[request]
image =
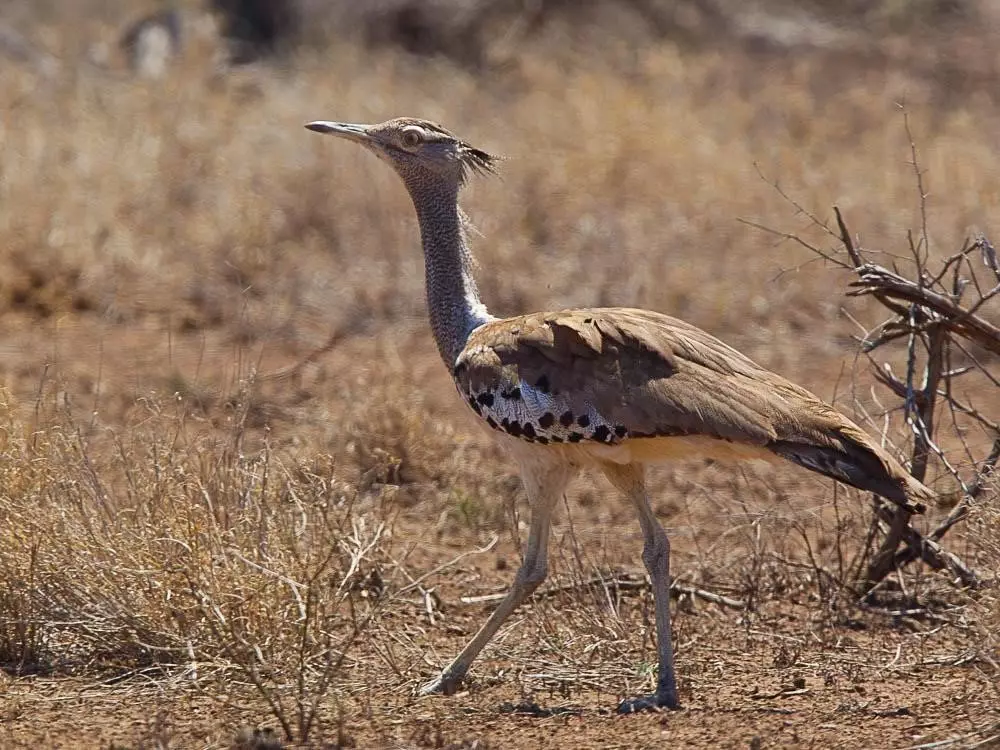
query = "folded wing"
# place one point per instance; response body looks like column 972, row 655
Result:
column 616, row 374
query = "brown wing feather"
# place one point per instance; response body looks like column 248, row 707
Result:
column 658, row 376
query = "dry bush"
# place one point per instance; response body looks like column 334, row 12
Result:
column 175, row 553
column 934, row 362
column 205, row 558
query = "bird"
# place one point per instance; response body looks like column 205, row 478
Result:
column 617, row 389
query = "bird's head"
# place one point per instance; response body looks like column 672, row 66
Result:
column 417, row 149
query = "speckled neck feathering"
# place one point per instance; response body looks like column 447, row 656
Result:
column 453, row 302
column 612, row 388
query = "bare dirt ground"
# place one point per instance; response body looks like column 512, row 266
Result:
column 242, row 506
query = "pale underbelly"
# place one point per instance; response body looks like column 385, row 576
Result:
column 653, row 450
column 676, row 448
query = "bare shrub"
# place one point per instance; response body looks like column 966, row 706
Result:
column 174, row 552
column 942, row 401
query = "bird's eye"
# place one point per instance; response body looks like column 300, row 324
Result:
column 411, row 137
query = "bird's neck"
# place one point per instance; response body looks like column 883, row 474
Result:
column 453, row 302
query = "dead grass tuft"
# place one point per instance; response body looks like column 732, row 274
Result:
column 173, row 551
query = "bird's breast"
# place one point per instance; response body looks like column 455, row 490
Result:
column 536, row 416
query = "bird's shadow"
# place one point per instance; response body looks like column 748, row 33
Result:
column 534, row 710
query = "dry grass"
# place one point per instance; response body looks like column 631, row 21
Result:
column 197, row 539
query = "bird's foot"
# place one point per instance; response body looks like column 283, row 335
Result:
column 445, row 684
column 649, row 703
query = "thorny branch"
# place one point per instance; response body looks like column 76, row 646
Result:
column 932, row 319
column 887, row 285
column 621, row 582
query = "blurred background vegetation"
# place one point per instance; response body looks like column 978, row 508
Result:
column 158, row 191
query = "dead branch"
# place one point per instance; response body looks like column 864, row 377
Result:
column 918, row 546
column 959, row 512
column 622, row 583
column 881, row 282
column 923, row 313
column 858, row 262
column 930, row 311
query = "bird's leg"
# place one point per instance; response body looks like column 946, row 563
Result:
column 544, row 486
column 656, row 556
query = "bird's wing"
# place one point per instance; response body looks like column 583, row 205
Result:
column 649, row 373
column 614, row 374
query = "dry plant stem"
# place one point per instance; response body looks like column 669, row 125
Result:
column 924, row 427
column 960, row 511
column 881, row 282
column 623, row 583
column 975, row 488
column 883, row 561
column 922, row 402
column 926, row 549
column 315, row 642
column 922, row 314
column 857, row 262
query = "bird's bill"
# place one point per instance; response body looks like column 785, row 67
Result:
column 356, row 133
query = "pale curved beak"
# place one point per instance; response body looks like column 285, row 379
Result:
column 357, row 133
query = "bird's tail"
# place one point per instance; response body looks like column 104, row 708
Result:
column 855, row 460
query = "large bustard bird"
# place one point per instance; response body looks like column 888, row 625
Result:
column 614, row 388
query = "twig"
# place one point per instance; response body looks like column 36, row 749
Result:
column 988, row 468
column 620, row 582
column 989, row 253
column 415, row 583
column 929, row 551
column 797, row 240
column 791, row 201
column 961, row 510
column 919, row 176
column 877, row 281
column 855, row 255
column 897, row 526
column 845, row 237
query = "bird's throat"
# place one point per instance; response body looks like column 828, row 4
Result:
column 453, row 302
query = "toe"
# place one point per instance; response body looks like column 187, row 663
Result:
column 434, row 687
column 443, row 685
column 648, row 703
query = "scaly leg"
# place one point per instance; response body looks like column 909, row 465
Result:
column 656, row 556
column 544, row 484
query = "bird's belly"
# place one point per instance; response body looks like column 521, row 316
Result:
column 676, row 448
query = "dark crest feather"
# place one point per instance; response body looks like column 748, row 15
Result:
column 476, row 161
